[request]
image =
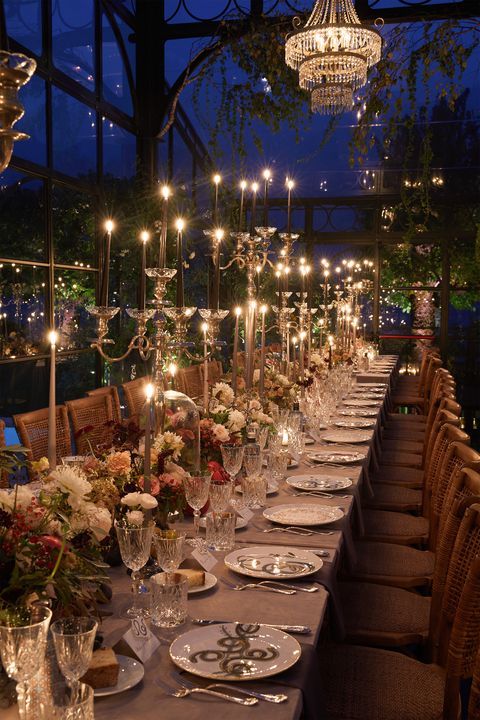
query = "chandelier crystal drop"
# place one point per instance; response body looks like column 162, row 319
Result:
column 332, row 53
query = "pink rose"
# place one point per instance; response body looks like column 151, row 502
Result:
column 154, row 484
column 119, row 463
column 91, row 464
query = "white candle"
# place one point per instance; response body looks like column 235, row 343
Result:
column 147, row 485
column 238, row 312
column 205, row 367
column 52, row 419
column 261, row 384
column 301, row 353
column 284, row 438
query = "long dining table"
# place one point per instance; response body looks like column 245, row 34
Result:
column 335, row 545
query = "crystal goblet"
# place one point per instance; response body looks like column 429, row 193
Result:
column 73, row 640
column 196, row 494
column 135, row 544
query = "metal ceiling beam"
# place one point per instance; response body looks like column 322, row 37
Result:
column 393, row 15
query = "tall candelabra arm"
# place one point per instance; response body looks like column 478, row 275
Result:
column 235, row 259
column 198, row 358
column 138, row 342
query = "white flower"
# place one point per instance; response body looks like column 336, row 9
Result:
column 20, row 497
column 131, row 499
column 221, row 433
column 135, row 517
column 236, row 421
column 282, row 380
column 71, row 481
column 99, row 520
column 169, row 441
column 223, row 393
column 217, row 408
column 315, row 359
column 254, row 405
column 147, row 501
column 256, row 375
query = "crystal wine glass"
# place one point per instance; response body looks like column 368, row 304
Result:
column 170, row 551
column 232, row 457
column 135, row 544
column 252, row 460
column 73, row 640
column 196, row 494
column 220, row 495
column 22, row 650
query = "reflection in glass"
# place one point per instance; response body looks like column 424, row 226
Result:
column 24, row 23
column 74, row 135
column 119, row 148
column 73, row 40
column 22, row 311
column 74, row 291
column 22, row 217
column 115, row 83
column 73, row 227
column 33, row 122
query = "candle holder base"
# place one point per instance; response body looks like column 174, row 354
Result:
column 213, row 318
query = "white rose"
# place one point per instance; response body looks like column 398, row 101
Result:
column 224, row 393
column 236, row 420
column 99, row 520
column 221, row 433
column 131, row 499
column 175, row 471
column 254, row 405
column 135, row 517
column 147, row 501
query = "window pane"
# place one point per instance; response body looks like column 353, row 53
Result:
column 119, row 151
column 22, row 219
column 24, row 23
column 74, row 135
column 75, row 375
column 73, row 227
column 74, row 291
column 22, row 322
column 25, row 386
column 33, row 122
column 73, row 40
column 115, row 84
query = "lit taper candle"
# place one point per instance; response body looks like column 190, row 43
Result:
column 144, row 237
column 290, row 185
column 180, row 225
column 217, row 179
column 52, row 417
column 238, row 312
column 243, row 187
column 267, row 177
column 205, row 366
column 261, row 382
column 106, row 264
column 162, row 252
column 147, row 482
column 253, row 218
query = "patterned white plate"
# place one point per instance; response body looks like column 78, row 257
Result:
column 327, row 483
column 351, row 437
column 358, row 412
column 355, row 423
column 273, row 562
column 303, row 514
column 233, row 651
column 355, row 402
column 239, row 523
column 337, row 457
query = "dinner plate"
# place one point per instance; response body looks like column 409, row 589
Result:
column 273, row 562
column 365, row 396
column 234, row 651
column 130, row 674
column 303, row 514
column 355, row 423
column 358, row 412
column 355, row 402
column 337, row 456
column 327, row 483
column 210, row 582
column 352, row 437
column 272, row 487
column 239, row 523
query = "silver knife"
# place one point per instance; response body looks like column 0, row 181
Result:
column 296, row 629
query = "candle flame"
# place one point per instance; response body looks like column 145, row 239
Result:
column 172, row 369
column 204, row 327
column 219, row 234
column 238, row 311
column 254, row 187
column 302, row 335
column 263, row 309
column 149, row 390
column 52, row 337
column 165, row 192
column 258, row 268
column 144, row 236
column 217, row 179
column 289, row 183
column 109, row 225
column 267, row 174
column 180, row 224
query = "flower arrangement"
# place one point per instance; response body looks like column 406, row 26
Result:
column 50, row 543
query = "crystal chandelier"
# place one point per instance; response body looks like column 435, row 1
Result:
column 332, row 54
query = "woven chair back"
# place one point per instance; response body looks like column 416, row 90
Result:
column 112, row 391
column 180, row 384
column 3, row 475
column 433, row 365
column 32, row 429
column 442, row 402
column 214, row 370
column 91, row 418
column 134, row 393
column 458, row 456
column 474, row 700
column 193, row 381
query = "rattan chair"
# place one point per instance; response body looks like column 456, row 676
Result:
column 388, row 563
column 367, row 608
column 32, row 428
column 92, row 418
column 3, row 475
column 192, row 379
column 215, row 371
column 420, row 401
column 371, row 684
column 134, row 393
column 112, row 391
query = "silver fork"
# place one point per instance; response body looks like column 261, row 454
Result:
column 294, row 530
column 259, row 586
column 182, row 691
column 268, row 697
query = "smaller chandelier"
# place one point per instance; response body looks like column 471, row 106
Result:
column 332, row 54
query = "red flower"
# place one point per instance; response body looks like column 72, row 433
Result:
column 219, row 475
